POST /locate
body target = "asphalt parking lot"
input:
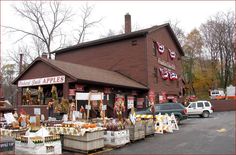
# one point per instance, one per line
(213, 135)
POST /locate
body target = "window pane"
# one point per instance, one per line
(193, 105)
(165, 107)
(176, 106)
(207, 104)
(200, 104)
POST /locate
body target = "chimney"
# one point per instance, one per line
(21, 63)
(127, 23)
(44, 55)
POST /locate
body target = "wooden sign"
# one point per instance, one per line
(79, 87)
(42, 81)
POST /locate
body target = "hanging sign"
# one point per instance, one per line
(107, 90)
(162, 97)
(151, 96)
(85, 96)
(140, 102)
(72, 92)
(41, 81)
(130, 102)
(79, 87)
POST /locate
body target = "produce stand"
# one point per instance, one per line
(7, 145)
(82, 136)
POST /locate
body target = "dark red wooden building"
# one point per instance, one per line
(131, 64)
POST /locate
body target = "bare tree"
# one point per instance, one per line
(178, 31)
(218, 34)
(86, 12)
(45, 21)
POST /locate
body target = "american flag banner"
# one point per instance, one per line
(160, 47)
(164, 73)
(173, 76)
(172, 54)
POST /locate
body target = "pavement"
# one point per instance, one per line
(213, 135)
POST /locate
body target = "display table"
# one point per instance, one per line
(7, 145)
(88, 142)
(12, 133)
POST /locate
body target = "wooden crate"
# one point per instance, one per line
(90, 141)
(76, 145)
(149, 128)
(88, 136)
(137, 131)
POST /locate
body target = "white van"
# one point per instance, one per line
(217, 94)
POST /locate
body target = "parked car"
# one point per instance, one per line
(177, 109)
(201, 108)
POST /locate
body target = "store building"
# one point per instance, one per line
(135, 65)
(36, 82)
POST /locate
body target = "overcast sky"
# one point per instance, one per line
(144, 14)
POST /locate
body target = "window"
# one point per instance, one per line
(193, 105)
(165, 107)
(176, 106)
(207, 104)
(154, 49)
(200, 104)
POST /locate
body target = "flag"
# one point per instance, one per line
(164, 74)
(161, 48)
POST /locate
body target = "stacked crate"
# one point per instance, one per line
(149, 127)
(90, 141)
(116, 138)
(137, 131)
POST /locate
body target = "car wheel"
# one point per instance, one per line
(205, 114)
